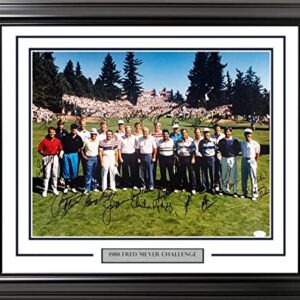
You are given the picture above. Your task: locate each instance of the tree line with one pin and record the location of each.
(209, 87)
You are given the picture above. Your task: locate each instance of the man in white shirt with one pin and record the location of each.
(128, 159)
(121, 130)
(185, 149)
(198, 159)
(250, 154)
(217, 136)
(138, 129)
(207, 148)
(166, 160)
(85, 135)
(147, 151)
(157, 135)
(89, 153)
(82, 131)
(108, 154)
(102, 130)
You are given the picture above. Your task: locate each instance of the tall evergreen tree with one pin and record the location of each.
(215, 79)
(80, 86)
(206, 80)
(132, 85)
(47, 91)
(198, 80)
(82, 83)
(108, 81)
(91, 88)
(228, 89)
(264, 107)
(248, 97)
(171, 96)
(178, 97)
(70, 76)
(98, 89)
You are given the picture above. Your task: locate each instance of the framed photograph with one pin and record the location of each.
(150, 150)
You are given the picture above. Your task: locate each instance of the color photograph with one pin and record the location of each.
(151, 144)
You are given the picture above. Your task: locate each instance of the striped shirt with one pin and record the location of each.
(207, 147)
(166, 148)
(108, 147)
(185, 148)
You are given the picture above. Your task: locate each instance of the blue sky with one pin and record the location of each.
(168, 69)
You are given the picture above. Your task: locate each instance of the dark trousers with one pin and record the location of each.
(167, 163)
(217, 172)
(208, 172)
(147, 171)
(129, 170)
(197, 171)
(185, 165)
(154, 170)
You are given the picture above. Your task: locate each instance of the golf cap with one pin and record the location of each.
(74, 126)
(175, 126)
(120, 122)
(206, 130)
(248, 130)
(93, 131)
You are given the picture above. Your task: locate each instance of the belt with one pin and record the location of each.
(248, 158)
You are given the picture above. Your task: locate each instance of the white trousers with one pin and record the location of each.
(249, 168)
(229, 173)
(109, 166)
(50, 169)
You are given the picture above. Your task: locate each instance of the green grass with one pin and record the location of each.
(173, 215)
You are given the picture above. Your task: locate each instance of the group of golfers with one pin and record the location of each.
(203, 162)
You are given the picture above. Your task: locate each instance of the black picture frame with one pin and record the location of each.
(143, 13)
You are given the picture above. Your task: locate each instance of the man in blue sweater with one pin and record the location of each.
(229, 147)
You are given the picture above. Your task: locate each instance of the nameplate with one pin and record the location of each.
(153, 255)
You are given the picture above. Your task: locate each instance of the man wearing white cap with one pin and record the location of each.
(250, 154)
(89, 153)
(175, 135)
(218, 135)
(108, 154)
(120, 131)
(157, 135)
(85, 135)
(185, 149)
(118, 135)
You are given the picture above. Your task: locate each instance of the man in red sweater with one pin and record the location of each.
(49, 148)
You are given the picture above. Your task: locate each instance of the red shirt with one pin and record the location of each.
(50, 147)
